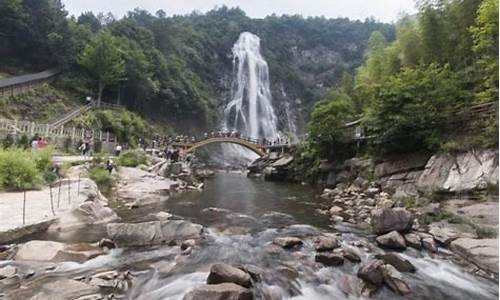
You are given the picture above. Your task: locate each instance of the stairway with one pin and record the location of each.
(71, 115)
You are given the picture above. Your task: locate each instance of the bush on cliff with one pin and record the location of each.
(18, 170)
(102, 178)
(132, 158)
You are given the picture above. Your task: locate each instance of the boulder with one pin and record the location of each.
(388, 219)
(413, 240)
(324, 243)
(287, 242)
(221, 273)
(56, 252)
(481, 252)
(63, 289)
(429, 244)
(393, 240)
(354, 286)
(351, 255)
(151, 233)
(335, 210)
(445, 232)
(395, 260)
(222, 291)
(372, 272)
(106, 243)
(329, 259)
(394, 280)
(7, 272)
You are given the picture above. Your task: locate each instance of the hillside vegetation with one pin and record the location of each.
(178, 69)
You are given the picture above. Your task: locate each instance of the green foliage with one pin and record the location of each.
(411, 109)
(8, 141)
(103, 59)
(102, 178)
(328, 135)
(305, 165)
(18, 171)
(132, 158)
(128, 127)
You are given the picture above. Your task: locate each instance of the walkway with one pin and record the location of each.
(18, 84)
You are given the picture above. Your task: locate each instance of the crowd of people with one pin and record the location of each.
(39, 143)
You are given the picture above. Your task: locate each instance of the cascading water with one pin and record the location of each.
(250, 110)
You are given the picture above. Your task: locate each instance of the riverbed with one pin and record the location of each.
(242, 216)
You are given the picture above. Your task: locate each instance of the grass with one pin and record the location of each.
(132, 158)
(103, 179)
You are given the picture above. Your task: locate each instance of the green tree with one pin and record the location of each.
(485, 34)
(327, 133)
(104, 60)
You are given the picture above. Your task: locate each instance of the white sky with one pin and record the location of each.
(383, 10)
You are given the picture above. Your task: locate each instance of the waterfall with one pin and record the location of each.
(250, 109)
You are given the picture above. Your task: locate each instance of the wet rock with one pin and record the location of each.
(288, 271)
(221, 273)
(329, 259)
(151, 233)
(394, 280)
(106, 243)
(372, 272)
(429, 244)
(445, 232)
(287, 242)
(393, 240)
(7, 272)
(335, 210)
(413, 240)
(188, 244)
(56, 252)
(351, 255)
(390, 219)
(254, 271)
(222, 291)
(163, 215)
(354, 286)
(337, 219)
(324, 243)
(481, 252)
(102, 283)
(395, 260)
(63, 289)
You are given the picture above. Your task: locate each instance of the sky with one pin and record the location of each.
(382, 10)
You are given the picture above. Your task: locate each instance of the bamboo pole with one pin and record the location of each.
(51, 200)
(59, 193)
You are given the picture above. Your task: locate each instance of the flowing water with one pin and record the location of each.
(250, 214)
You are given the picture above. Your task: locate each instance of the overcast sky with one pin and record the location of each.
(383, 10)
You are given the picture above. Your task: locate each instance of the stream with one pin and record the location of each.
(242, 216)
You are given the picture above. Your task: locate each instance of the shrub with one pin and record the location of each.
(132, 158)
(18, 170)
(102, 178)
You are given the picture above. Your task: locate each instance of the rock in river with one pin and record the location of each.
(287, 242)
(221, 273)
(389, 219)
(394, 280)
(329, 259)
(392, 240)
(56, 252)
(324, 243)
(150, 233)
(395, 260)
(372, 272)
(222, 291)
(483, 252)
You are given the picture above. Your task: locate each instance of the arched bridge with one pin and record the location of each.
(251, 144)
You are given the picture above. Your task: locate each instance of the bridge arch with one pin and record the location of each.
(256, 148)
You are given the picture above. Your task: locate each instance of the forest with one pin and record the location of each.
(176, 69)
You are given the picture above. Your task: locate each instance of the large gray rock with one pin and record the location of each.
(393, 240)
(324, 243)
(394, 280)
(445, 232)
(483, 252)
(413, 240)
(49, 251)
(221, 273)
(372, 272)
(329, 259)
(388, 219)
(222, 291)
(395, 260)
(287, 242)
(352, 285)
(150, 233)
(473, 170)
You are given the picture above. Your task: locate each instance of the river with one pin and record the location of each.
(250, 214)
